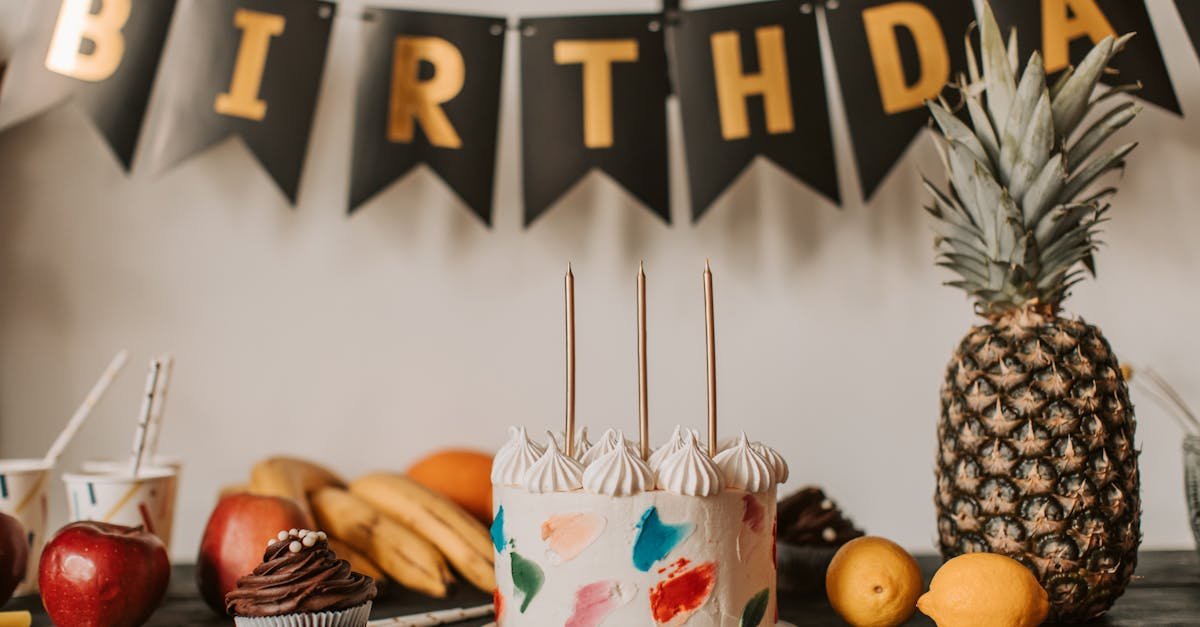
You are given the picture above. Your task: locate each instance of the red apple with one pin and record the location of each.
(96, 574)
(236, 537)
(14, 553)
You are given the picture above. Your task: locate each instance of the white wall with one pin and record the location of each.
(365, 341)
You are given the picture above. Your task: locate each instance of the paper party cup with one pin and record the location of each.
(23, 496)
(159, 462)
(120, 499)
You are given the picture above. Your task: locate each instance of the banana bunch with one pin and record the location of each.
(460, 537)
(407, 557)
(385, 524)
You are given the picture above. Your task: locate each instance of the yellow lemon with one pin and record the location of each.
(985, 590)
(872, 582)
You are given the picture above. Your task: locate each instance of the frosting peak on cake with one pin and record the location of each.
(778, 463)
(745, 468)
(582, 445)
(672, 445)
(554, 472)
(619, 472)
(614, 466)
(610, 441)
(514, 459)
(606, 443)
(690, 471)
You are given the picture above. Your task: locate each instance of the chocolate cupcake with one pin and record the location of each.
(301, 583)
(811, 529)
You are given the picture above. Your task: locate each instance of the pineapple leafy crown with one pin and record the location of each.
(1016, 226)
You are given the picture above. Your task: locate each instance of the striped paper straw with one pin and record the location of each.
(139, 436)
(160, 400)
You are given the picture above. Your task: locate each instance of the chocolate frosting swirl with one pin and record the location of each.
(809, 518)
(310, 580)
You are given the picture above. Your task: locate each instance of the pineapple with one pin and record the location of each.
(1036, 458)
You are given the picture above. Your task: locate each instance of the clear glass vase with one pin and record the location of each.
(1191, 482)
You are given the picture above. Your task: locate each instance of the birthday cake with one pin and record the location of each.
(604, 536)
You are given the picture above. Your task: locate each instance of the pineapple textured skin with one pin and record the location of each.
(1036, 458)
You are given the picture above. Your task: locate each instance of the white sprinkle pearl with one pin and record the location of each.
(827, 504)
(282, 535)
(309, 540)
(292, 532)
(294, 547)
(321, 535)
(272, 542)
(828, 534)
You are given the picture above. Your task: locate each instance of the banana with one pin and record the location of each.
(404, 555)
(233, 488)
(359, 563)
(463, 539)
(291, 478)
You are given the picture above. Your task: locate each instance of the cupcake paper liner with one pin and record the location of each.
(353, 617)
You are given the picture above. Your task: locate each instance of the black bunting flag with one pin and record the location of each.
(101, 54)
(246, 68)
(428, 92)
(1189, 10)
(891, 57)
(1064, 31)
(750, 83)
(593, 95)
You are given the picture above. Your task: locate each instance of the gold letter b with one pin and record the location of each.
(75, 23)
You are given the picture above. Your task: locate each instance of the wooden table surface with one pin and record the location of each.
(1166, 591)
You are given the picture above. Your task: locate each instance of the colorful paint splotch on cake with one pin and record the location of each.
(655, 539)
(694, 546)
(497, 530)
(527, 579)
(756, 609)
(674, 599)
(595, 601)
(567, 535)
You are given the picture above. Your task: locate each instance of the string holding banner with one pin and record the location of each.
(749, 79)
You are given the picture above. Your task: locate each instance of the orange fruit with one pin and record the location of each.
(461, 475)
(985, 590)
(872, 582)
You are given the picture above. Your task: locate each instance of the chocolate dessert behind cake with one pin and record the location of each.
(811, 529)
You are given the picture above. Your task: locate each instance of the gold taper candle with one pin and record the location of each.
(569, 295)
(643, 392)
(712, 360)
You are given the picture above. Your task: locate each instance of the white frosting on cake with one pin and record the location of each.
(582, 547)
(582, 445)
(554, 472)
(673, 444)
(744, 468)
(615, 541)
(607, 443)
(778, 464)
(689, 471)
(515, 458)
(619, 472)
